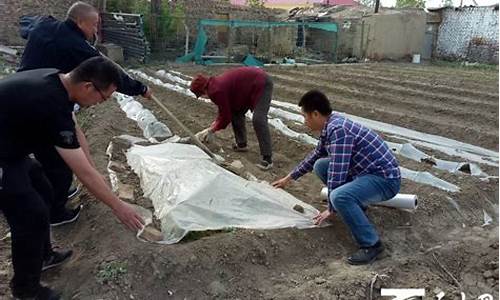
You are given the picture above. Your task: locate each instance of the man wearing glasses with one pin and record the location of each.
(64, 45)
(36, 112)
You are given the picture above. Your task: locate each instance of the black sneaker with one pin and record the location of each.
(56, 258)
(366, 255)
(240, 148)
(69, 216)
(265, 165)
(44, 293)
(73, 191)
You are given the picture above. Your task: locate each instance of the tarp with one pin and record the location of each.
(191, 193)
(251, 61)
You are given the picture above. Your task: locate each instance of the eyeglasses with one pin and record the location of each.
(100, 93)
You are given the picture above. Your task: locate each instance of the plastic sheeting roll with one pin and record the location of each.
(401, 201)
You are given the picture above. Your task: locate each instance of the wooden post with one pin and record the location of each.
(377, 4)
(270, 48)
(303, 34)
(155, 12)
(101, 5)
(362, 40)
(186, 28)
(230, 37)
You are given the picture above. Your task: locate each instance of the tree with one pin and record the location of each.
(410, 3)
(256, 3)
(367, 3)
(154, 25)
(447, 3)
(126, 6)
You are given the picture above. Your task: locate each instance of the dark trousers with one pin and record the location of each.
(24, 195)
(59, 175)
(259, 121)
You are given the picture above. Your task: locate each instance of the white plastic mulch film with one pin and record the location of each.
(191, 193)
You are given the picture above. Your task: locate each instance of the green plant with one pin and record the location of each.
(256, 3)
(111, 272)
(125, 6)
(447, 3)
(410, 3)
(168, 19)
(368, 3)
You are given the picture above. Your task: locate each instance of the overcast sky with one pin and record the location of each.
(386, 3)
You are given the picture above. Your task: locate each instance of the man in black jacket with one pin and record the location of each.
(36, 109)
(64, 45)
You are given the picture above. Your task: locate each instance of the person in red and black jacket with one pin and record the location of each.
(235, 92)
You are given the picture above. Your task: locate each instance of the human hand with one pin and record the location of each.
(322, 217)
(128, 216)
(206, 135)
(281, 183)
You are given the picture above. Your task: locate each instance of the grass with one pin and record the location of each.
(111, 272)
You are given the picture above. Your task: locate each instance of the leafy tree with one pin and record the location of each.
(125, 6)
(256, 3)
(447, 3)
(367, 3)
(410, 3)
(168, 19)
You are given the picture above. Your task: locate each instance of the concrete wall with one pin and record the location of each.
(350, 33)
(394, 36)
(11, 10)
(321, 41)
(469, 33)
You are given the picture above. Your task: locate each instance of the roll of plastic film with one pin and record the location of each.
(401, 201)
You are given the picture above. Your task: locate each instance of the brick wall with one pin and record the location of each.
(195, 10)
(216, 9)
(469, 33)
(11, 10)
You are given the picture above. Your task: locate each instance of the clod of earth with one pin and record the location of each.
(125, 191)
(298, 208)
(151, 234)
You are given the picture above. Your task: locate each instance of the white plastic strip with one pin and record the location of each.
(171, 77)
(428, 178)
(173, 87)
(446, 145)
(152, 128)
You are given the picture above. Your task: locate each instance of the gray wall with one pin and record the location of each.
(469, 33)
(394, 36)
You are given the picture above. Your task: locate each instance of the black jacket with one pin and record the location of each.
(62, 45)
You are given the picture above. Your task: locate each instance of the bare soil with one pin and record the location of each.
(438, 246)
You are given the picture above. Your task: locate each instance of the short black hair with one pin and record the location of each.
(99, 70)
(80, 10)
(315, 100)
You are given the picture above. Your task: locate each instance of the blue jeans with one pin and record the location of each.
(350, 198)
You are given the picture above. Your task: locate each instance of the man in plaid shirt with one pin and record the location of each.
(357, 166)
